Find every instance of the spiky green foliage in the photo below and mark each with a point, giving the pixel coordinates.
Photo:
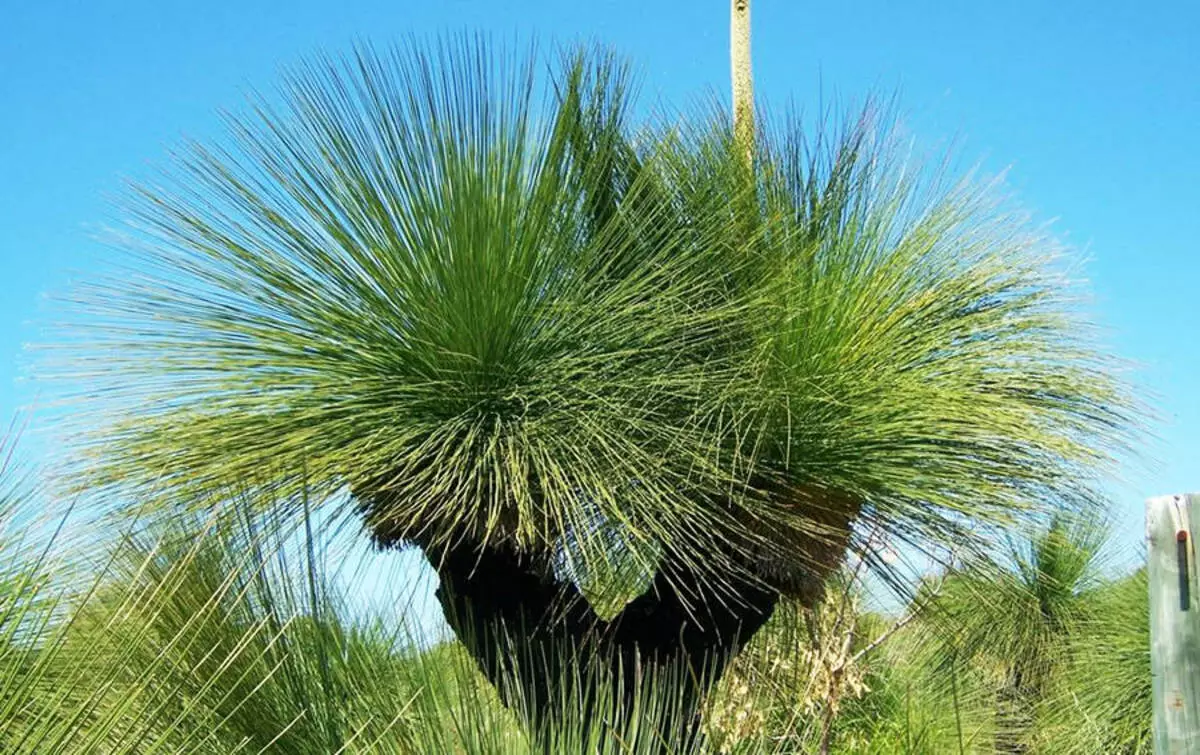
(1040, 638)
(244, 643)
(398, 284)
(1027, 620)
(233, 647)
(43, 704)
(488, 303)
(1023, 604)
(1105, 701)
(183, 639)
(56, 689)
(229, 634)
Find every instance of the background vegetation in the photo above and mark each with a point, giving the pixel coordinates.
(227, 634)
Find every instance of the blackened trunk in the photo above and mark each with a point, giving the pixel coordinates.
(1014, 716)
(534, 637)
(521, 626)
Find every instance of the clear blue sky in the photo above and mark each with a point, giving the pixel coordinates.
(1094, 105)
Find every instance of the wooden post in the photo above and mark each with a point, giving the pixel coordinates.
(1172, 525)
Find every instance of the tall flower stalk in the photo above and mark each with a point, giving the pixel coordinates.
(741, 75)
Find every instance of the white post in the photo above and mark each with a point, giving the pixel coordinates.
(1172, 525)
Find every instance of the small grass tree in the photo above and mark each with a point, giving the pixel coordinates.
(1023, 617)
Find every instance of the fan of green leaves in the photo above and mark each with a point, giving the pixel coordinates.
(484, 300)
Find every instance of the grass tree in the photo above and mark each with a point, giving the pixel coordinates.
(1025, 618)
(1105, 703)
(542, 341)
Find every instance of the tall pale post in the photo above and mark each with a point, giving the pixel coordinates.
(1172, 524)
